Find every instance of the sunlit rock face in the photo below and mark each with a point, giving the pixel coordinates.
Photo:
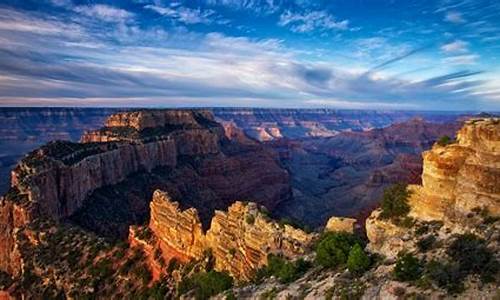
(341, 224)
(461, 176)
(457, 179)
(240, 239)
(384, 236)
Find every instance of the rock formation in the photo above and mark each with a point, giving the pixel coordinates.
(24, 129)
(341, 224)
(457, 179)
(272, 124)
(183, 151)
(240, 239)
(461, 176)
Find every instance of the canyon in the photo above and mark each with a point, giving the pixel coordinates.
(183, 151)
(24, 129)
(154, 186)
(455, 207)
(345, 175)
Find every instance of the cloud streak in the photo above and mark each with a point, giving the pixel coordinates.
(310, 21)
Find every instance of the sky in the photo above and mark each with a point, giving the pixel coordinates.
(354, 54)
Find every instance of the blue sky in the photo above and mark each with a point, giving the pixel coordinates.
(423, 55)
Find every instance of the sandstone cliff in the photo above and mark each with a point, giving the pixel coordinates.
(240, 239)
(458, 179)
(461, 176)
(58, 177)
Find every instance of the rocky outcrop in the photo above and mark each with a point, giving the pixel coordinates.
(24, 129)
(461, 176)
(144, 119)
(341, 224)
(457, 179)
(385, 237)
(11, 216)
(240, 239)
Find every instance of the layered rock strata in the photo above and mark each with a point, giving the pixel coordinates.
(461, 176)
(59, 176)
(240, 239)
(185, 151)
(457, 179)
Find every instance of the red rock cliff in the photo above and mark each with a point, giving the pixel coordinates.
(240, 239)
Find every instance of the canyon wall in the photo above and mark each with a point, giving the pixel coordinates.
(59, 176)
(346, 174)
(273, 124)
(182, 151)
(240, 239)
(458, 179)
(461, 176)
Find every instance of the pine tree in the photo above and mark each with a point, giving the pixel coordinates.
(358, 261)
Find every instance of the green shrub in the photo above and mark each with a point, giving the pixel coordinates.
(286, 271)
(445, 140)
(173, 264)
(333, 248)
(5, 280)
(250, 219)
(426, 243)
(446, 275)
(230, 296)
(473, 257)
(406, 222)
(143, 273)
(158, 291)
(395, 202)
(408, 268)
(358, 261)
(206, 285)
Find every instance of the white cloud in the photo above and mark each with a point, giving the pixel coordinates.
(462, 59)
(187, 68)
(104, 12)
(184, 14)
(61, 3)
(258, 6)
(14, 21)
(455, 46)
(309, 21)
(454, 17)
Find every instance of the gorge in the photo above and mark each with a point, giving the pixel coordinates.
(156, 196)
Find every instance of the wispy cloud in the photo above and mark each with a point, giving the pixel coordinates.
(184, 14)
(119, 55)
(454, 17)
(104, 12)
(455, 46)
(469, 59)
(310, 21)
